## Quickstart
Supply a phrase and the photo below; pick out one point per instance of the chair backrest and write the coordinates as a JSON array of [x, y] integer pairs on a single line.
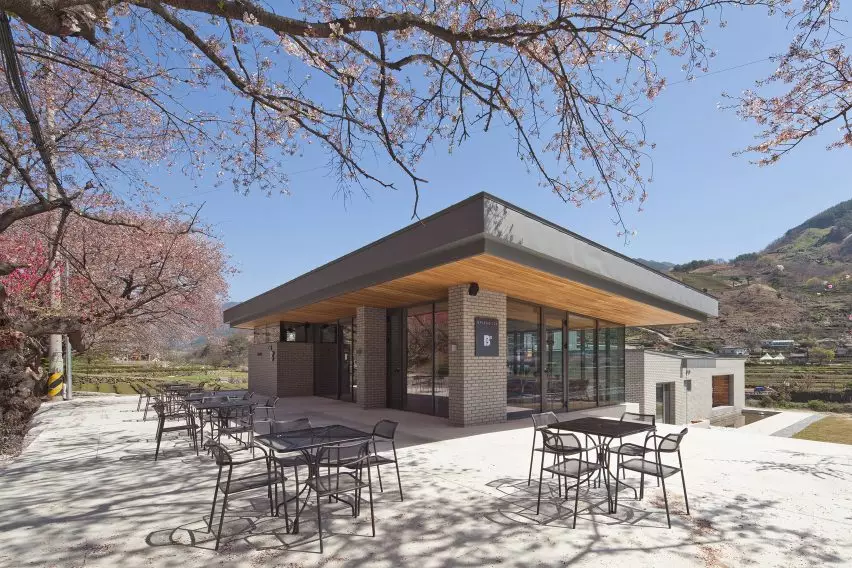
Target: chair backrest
[[639, 417], [290, 425], [263, 413], [544, 420], [221, 454], [352, 455], [248, 395], [262, 426], [560, 442], [271, 401], [385, 429], [671, 442]]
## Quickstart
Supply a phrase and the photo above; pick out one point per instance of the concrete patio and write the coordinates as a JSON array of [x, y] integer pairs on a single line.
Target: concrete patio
[[86, 491]]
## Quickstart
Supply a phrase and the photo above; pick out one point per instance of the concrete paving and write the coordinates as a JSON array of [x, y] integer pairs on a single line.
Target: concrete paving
[[86, 491]]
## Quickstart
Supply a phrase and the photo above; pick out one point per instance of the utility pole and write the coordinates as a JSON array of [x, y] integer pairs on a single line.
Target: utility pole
[[69, 391], [54, 346]]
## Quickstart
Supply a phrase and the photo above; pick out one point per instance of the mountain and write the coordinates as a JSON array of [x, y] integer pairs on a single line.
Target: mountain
[[799, 287], [655, 264]]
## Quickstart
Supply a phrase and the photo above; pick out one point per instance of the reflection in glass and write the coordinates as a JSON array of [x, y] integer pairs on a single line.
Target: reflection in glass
[[419, 359], [581, 363], [610, 363], [442, 360], [347, 371], [522, 356], [552, 358]]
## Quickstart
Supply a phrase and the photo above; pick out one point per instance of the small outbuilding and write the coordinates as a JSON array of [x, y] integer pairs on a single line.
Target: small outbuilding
[[680, 389]]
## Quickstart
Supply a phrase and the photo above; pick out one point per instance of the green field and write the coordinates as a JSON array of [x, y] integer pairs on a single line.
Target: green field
[[131, 377], [801, 377]]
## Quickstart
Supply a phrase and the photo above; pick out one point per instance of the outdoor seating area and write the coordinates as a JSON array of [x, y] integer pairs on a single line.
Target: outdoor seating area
[[468, 499]]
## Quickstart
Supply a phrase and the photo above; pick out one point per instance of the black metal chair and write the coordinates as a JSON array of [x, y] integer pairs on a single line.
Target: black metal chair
[[383, 433], [144, 394], [540, 422], [668, 444], [237, 422], [184, 415], [337, 459], [631, 449], [563, 445], [255, 480], [294, 460]]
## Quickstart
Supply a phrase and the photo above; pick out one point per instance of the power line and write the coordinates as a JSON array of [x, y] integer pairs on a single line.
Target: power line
[[741, 65]]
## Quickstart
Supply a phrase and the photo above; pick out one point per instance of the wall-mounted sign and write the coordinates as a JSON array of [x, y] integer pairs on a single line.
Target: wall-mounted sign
[[487, 332]]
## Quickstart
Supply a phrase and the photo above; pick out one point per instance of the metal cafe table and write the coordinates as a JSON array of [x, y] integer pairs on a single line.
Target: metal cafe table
[[604, 430], [216, 407], [307, 441]]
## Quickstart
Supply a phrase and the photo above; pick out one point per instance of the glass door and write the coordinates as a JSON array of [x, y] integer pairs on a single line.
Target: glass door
[[553, 322], [665, 406]]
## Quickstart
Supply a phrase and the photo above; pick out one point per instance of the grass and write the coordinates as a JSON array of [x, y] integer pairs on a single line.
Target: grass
[[131, 378], [837, 429]]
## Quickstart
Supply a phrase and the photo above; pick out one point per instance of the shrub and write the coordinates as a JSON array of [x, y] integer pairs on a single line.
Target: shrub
[[817, 405]]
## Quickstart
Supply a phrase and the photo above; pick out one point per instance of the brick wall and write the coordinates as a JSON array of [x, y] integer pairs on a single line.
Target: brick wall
[[295, 369], [371, 358], [634, 374], [263, 369], [477, 384]]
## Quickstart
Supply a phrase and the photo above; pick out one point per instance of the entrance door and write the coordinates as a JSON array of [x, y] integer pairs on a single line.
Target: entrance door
[[665, 403], [396, 358]]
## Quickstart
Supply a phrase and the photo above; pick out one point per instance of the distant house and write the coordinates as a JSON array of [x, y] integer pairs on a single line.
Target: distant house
[[681, 389], [778, 343], [730, 351]]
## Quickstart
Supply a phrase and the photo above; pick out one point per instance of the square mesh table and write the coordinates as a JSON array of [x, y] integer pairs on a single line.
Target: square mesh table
[[605, 430], [307, 441]]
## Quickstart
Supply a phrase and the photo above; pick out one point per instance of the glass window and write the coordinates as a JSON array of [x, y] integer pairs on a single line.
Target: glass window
[[522, 356], [347, 360], [610, 363], [293, 332], [328, 333], [419, 359], [442, 360], [582, 389], [552, 358]]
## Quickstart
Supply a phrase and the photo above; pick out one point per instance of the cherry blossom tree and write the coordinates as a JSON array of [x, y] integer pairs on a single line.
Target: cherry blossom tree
[[810, 89]]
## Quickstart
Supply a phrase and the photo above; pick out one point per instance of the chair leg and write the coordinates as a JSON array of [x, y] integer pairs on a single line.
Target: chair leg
[[617, 468], [396, 463], [370, 491], [160, 426], [641, 485], [222, 515], [540, 476], [576, 502], [532, 454], [666, 501], [683, 480], [379, 474], [213, 508], [319, 520]]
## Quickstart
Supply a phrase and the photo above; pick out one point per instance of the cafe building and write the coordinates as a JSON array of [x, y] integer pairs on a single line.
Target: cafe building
[[480, 313]]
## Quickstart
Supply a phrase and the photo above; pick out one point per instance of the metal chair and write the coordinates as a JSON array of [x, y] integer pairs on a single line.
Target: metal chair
[[384, 432], [352, 457], [668, 444], [230, 485], [562, 445], [294, 460], [540, 422], [237, 422], [184, 415], [631, 449]]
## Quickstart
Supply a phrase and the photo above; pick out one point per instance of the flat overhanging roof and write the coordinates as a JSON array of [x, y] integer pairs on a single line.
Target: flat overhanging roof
[[486, 240]]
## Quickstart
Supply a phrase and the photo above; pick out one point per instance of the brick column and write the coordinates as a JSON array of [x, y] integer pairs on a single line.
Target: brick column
[[477, 384], [371, 357]]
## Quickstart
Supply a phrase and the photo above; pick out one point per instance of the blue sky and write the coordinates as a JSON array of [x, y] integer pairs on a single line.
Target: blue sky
[[703, 202]]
